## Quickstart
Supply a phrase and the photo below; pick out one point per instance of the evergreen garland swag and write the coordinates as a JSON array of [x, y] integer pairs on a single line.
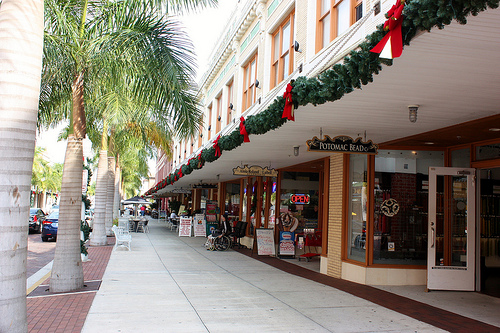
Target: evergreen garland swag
[[356, 70]]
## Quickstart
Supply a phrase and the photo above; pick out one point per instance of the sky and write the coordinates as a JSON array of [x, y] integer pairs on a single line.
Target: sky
[[203, 28]]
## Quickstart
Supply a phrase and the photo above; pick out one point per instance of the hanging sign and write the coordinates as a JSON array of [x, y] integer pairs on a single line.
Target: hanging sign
[[255, 170], [185, 226], [265, 242], [200, 229], [342, 144]]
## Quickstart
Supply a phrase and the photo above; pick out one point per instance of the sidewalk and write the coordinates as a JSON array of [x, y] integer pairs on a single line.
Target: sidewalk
[[172, 284]]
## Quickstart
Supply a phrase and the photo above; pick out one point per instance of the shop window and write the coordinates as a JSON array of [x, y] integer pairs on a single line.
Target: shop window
[[401, 192], [282, 58], [299, 201], [232, 200], [249, 77], [334, 17], [488, 152], [357, 208]]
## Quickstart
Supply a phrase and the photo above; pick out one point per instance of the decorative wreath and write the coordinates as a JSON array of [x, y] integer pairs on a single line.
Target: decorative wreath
[[390, 207]]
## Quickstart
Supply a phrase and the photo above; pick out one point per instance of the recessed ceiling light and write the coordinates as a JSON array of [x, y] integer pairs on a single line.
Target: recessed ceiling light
[[428, 143], [495, 129]]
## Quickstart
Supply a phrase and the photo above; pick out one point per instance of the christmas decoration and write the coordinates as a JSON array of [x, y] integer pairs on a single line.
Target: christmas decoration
[[216, 147], [391, 46], [288, 109], [243, 130]]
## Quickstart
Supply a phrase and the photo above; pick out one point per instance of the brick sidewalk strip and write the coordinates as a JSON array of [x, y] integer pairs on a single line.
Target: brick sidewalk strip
[[67, 312]]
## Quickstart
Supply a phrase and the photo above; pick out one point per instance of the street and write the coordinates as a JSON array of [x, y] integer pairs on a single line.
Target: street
[[39, 253]]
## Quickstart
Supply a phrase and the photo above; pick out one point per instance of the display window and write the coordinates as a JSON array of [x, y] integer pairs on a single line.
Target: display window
[[357, 213], [299, 201], [400, 206], [232, 200]]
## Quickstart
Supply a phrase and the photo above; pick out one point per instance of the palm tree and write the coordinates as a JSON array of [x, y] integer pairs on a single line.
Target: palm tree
[[21, 36], [90, 44]]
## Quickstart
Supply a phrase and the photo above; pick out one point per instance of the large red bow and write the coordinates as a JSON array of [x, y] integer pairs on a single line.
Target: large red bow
[[394, 36], [288, 110], [216, 146], [243, 130], [180, 172]]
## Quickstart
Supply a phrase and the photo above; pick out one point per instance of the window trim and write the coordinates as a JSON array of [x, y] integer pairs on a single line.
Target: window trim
[[279, 63]]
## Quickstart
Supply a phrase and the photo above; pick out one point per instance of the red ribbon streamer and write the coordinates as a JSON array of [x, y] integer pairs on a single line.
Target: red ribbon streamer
[[288, 110], [243, 130], [216, 146], [393, 24]]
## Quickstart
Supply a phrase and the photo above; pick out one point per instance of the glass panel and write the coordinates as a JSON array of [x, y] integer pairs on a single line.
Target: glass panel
[[459, 221], [326, 30], [286, 64], [325, 6], [271, 181], [232, 200], [359, 12], [244, 208], [252, 189], [343, 17], [276, 47], [460, 158], [487, 152], [490, 231], [357, 208], [439, 242], [401, 194], [299, 199], [285, 45]]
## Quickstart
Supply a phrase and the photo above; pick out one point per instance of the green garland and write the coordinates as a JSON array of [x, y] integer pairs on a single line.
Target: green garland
[[356, 70]]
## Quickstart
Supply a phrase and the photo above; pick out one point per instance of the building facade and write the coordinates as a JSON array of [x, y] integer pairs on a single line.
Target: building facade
[[391, 166]]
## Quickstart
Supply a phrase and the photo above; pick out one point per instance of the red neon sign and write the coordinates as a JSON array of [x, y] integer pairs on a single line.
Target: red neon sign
[[300, 199]]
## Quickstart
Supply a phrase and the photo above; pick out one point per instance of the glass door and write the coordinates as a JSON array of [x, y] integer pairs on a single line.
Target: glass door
[[451, 237]]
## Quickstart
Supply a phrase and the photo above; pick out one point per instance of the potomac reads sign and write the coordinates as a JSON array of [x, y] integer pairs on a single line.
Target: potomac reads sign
[[342, 144]]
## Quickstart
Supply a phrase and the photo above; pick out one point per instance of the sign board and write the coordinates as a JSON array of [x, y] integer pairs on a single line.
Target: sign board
[[211, 211], [287, 243], [199, 226], [85, 178], [185, 226], [300, 199], [342, 144], [265, 242], [255, 170]]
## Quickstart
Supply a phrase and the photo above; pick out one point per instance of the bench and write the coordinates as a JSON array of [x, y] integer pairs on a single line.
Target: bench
[[122, 237]]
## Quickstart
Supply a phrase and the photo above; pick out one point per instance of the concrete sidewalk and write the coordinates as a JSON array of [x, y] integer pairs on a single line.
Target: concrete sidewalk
[[172, 284]]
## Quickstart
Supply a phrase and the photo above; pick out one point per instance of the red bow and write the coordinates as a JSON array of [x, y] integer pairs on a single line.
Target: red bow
[[216, 146], [393, 24], [243, 130], [180, 172], [288, 110]]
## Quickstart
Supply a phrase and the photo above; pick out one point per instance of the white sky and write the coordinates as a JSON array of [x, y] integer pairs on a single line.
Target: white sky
[[203, 28]]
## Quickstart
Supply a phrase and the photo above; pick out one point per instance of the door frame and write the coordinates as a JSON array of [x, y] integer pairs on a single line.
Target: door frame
[[441, 277]]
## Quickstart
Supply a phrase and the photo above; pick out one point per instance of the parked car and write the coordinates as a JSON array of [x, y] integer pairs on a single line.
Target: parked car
[[37, 216], [49, 227]]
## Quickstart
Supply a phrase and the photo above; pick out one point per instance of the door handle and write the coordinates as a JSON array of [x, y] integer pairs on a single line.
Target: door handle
[[432, 237]]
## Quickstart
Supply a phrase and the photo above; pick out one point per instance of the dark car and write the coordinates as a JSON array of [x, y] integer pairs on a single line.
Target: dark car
[[49, 227], [37, 216]]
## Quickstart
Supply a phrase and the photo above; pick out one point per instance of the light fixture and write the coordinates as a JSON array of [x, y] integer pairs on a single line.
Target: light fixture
[[257, 83], [201, 135], [209, 127], [412, 109], [494, 129], [218, 118], [231, 107], [296, 47], [296, 151]]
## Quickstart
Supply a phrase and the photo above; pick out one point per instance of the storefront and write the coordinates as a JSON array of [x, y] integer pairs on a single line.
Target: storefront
[[423, 217]]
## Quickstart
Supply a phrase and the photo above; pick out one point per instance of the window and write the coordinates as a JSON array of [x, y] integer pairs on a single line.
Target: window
[[231, 113], [219, 114], [334, 17], [356, 229], [282, 59], [209, 124], [249, 76]]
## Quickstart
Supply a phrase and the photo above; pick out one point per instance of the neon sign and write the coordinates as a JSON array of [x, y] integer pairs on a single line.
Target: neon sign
[[300, 199]]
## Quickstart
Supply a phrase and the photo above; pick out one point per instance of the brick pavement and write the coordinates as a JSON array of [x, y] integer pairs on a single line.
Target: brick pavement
[[66, 312]]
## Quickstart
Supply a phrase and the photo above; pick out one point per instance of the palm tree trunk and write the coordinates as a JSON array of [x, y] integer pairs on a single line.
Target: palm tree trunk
[[98, 237], [67, 272], [116, 201], [110, 198], [21, 42]]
